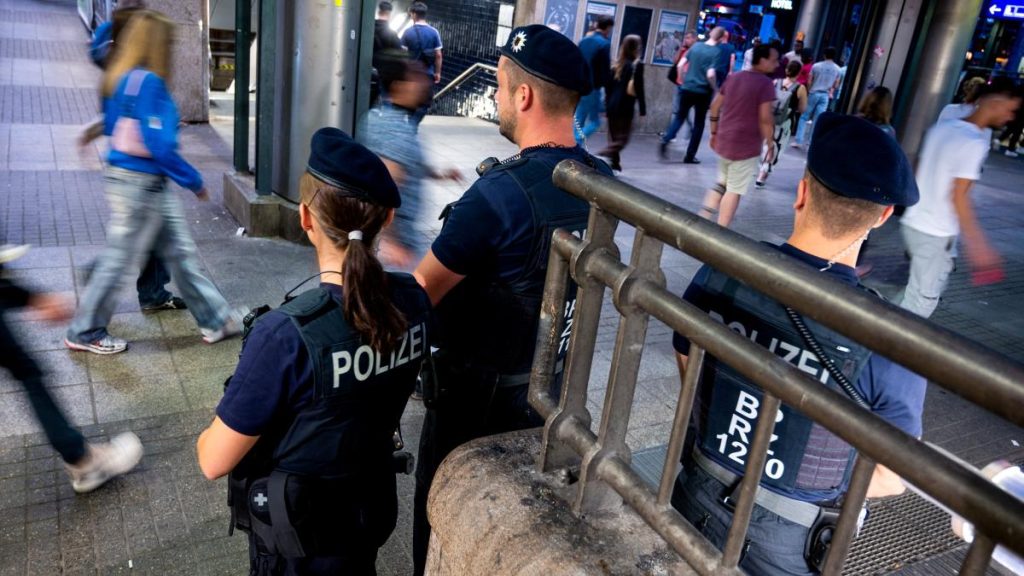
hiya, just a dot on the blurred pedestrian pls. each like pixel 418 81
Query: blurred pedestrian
pixel 596 49
pixel 821 85
pixel 698 85
pixel 88 464
pixel 790 103
pixel 748 55
pixel 726 62
pixel 876 107
pixel 677 73
pixel 423 42
pixel 391 134
pixel 384 39
pixel 806 63
pixel 969 91
pixel 307 422
pixel 742 123
pixel 625 93
pixel 1013 131
pixel 949 164
pixel 142 120
pixel 794 54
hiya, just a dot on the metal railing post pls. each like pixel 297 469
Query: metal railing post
pixel 687 392
pixel 849 517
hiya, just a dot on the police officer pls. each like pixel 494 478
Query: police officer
pixel 839 200
pixel 485 271
pixel 305 427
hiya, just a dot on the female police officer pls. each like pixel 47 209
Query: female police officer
pixel 305 426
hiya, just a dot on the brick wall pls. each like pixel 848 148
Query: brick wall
pixel 469 31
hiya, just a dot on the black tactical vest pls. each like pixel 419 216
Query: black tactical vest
pixel 322 482
pixel 493 322
pixel 802 455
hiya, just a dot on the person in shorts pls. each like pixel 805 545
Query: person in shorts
pixel 742 120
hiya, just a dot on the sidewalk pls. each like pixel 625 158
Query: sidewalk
pixel 165 518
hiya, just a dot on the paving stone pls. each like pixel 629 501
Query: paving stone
pixel 143 359
pixel 156 394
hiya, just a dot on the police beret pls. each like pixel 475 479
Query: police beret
pixel 549 56
pixel 338 160
pixel 856 159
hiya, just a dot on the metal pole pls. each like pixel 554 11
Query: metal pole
pixel 978 556
pixel 935 73
pixel 687 392
pixel 243 24
pixel 809 22
pixel 846 529
pixel 266 59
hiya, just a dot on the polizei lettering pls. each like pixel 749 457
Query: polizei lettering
pixel 804 360
pixel 365 362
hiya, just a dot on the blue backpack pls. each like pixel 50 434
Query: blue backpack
pixel 99 47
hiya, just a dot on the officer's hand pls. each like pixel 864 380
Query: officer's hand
pixel 51 307
pixel 203 195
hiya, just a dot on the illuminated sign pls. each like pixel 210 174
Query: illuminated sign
pixel 1005 9
pixel 782 4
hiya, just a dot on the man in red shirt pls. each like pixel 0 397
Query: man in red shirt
pixel 742 121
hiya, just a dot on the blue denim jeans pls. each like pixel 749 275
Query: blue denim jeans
pixel 144 216
pixel 817 103
pixel 588 115
pixel 776 544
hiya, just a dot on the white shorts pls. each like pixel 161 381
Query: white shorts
pixel 735 176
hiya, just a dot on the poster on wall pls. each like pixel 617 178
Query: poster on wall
pixel 594 11
pixel 637 21
pixel 560 15
pixel 671 29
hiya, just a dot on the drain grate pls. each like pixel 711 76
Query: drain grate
pixel 905 535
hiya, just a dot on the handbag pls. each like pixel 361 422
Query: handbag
pixel 630 86
pixel 127 135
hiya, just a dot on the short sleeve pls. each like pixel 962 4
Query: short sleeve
pixel 470 235
pixel 895 393
pixel 971 158
pixel 266 372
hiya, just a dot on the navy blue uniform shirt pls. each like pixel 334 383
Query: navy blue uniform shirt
pixel 274 377
pixel 489 230
pixel 893 392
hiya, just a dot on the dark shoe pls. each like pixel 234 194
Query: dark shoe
pixel 758 184
pixel 691 161
pixel 663 150
pixel 175 303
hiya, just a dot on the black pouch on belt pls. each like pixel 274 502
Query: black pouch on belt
pixel 819 537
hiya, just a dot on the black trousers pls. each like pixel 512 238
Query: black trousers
pixel 477 407
pixel 261 564
pixel 700 102
pixel 62 436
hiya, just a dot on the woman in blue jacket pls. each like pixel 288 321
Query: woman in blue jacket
pixel 142 121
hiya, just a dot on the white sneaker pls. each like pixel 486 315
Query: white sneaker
pixel 106 345
pixel 1011 153
pixel 10 252
pixel 231 327
pixel 105 461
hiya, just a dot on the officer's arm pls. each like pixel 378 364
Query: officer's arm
pixel 221 449
pixel 435 277
pixel 885 482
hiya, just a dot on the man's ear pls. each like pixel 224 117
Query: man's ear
pixel 801 195
pixel 885 216
pixel 524 97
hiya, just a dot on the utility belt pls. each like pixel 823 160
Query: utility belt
pixel 445 373
pixel 820 520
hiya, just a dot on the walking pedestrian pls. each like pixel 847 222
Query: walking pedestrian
pixel 142 120
pixel 485 271
pixel 423 42
pixel 677 73
pixel 625 93
pixel 307 422
pixel 698 86
pixel 742 123
pixel 384 40
pixel 748 55
pixel 790 103
pixel 806 63
pixel 876 107
pixel 821 85
pixel 391 134
pixel 726 62
pixel 596 50
pixel 950 162
pixel 1013 131
pixel 88 464
pixel 794 54
pixel 970 89
pixel 840 198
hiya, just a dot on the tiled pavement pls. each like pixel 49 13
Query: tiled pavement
pixel 165 517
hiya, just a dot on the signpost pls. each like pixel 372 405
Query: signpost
pixel 1005 9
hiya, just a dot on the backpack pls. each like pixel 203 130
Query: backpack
pixel 785 102
pixel 99 46
pixel 420 54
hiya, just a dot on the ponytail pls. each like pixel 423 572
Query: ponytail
pixel 366 299
pixel 352 225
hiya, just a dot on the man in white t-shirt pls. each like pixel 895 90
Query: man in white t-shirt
pixel 950 162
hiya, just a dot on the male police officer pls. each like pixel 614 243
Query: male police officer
pixel 839 200
pixel 485 272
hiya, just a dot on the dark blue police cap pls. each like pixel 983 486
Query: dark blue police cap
pixel 336 159
pixel 856 159
pixel 549 56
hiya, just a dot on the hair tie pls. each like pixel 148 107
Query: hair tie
pixel 355 235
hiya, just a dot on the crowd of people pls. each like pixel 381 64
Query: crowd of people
pixel 306 430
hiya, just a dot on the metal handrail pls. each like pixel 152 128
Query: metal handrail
pixel 976 373
pixel 464 76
